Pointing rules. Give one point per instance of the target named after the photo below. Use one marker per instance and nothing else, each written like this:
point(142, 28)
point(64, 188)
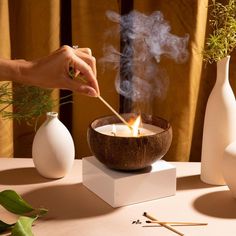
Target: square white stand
point(125, 188)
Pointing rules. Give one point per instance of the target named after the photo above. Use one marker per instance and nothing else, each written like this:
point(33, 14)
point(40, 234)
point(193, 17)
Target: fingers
point(81, 88)
point(87, 53)
point(84, 63)
point(86, 70)
point(86, 50)
point(90, 60)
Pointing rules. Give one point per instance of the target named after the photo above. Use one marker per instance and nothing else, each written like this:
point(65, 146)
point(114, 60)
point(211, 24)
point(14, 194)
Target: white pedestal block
point(125, 188)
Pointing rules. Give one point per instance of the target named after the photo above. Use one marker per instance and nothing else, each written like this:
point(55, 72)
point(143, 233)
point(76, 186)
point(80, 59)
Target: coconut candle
point(121, 148)
point(122, 130)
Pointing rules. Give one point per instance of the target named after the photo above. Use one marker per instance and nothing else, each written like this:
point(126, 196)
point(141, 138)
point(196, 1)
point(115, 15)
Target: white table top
point(74, 210)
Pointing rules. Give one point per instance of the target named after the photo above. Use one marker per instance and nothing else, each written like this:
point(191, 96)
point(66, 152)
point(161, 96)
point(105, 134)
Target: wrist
point(24, 71)
point(15, 70)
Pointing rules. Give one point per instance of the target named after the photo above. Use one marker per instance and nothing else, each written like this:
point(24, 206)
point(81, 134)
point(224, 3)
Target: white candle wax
point(122, 130)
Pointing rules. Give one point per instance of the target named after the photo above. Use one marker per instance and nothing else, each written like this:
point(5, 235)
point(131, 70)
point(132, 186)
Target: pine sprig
point(28, 102)
point(222, 41)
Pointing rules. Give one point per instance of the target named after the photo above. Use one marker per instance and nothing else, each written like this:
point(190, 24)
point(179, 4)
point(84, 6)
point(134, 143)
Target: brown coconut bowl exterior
point(129, 153)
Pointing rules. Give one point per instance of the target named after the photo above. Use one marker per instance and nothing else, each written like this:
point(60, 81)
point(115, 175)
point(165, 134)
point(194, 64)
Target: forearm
point(13, 70)
point(52, 71)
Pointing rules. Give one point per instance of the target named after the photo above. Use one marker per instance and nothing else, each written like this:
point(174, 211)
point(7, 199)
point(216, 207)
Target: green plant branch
point(222, 41)
point(29, 102)
point(64, 103)
point(4, 108)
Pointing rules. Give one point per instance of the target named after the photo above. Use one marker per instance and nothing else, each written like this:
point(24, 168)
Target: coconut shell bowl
point(129, 153)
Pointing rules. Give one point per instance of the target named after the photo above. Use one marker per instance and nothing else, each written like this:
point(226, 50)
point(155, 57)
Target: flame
point(135, 124)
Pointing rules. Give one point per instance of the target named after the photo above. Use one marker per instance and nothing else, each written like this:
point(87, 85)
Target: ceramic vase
point(219, 126)
point(53, 148)
point(229, 167)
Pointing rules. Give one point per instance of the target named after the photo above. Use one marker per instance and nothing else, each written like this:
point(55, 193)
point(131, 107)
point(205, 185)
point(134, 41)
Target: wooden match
point(176, 223)
point(114, 111)
point(72, 75)
point(162, 224)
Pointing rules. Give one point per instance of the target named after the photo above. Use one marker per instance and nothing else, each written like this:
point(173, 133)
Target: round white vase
point(219, 126)
point(53, 149)
point(229, 167)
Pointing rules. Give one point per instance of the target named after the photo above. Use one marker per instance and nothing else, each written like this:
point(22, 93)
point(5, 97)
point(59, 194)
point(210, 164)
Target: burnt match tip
point(148, 221)
point(145, 213)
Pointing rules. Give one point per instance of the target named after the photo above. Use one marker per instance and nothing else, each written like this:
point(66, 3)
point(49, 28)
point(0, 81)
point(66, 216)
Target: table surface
point(74, 210)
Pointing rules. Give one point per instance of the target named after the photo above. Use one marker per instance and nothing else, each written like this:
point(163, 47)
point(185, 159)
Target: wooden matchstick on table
point(162, 224)
point(177, 223)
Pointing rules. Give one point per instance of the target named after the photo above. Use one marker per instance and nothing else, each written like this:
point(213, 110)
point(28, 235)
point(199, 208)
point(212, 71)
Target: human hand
point(53, 71)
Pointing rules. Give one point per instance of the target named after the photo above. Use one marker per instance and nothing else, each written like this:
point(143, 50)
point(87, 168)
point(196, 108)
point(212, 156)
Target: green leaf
point(23, 226)
point(4, 226)
point(14, 203)
point(11, 201)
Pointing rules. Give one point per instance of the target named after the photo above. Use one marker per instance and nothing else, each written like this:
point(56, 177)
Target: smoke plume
point(145, 39)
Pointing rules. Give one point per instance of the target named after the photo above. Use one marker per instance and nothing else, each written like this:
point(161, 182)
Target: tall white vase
point(229, 167)
point(219, 126)
point(53, 148)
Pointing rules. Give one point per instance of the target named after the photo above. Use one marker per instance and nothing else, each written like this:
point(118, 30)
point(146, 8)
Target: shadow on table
point(191, 182)
point(219, 204)
point(20, 176)
point(68, 202)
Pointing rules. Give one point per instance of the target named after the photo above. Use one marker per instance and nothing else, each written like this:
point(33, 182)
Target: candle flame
point(135, 132)
point(135, 124)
